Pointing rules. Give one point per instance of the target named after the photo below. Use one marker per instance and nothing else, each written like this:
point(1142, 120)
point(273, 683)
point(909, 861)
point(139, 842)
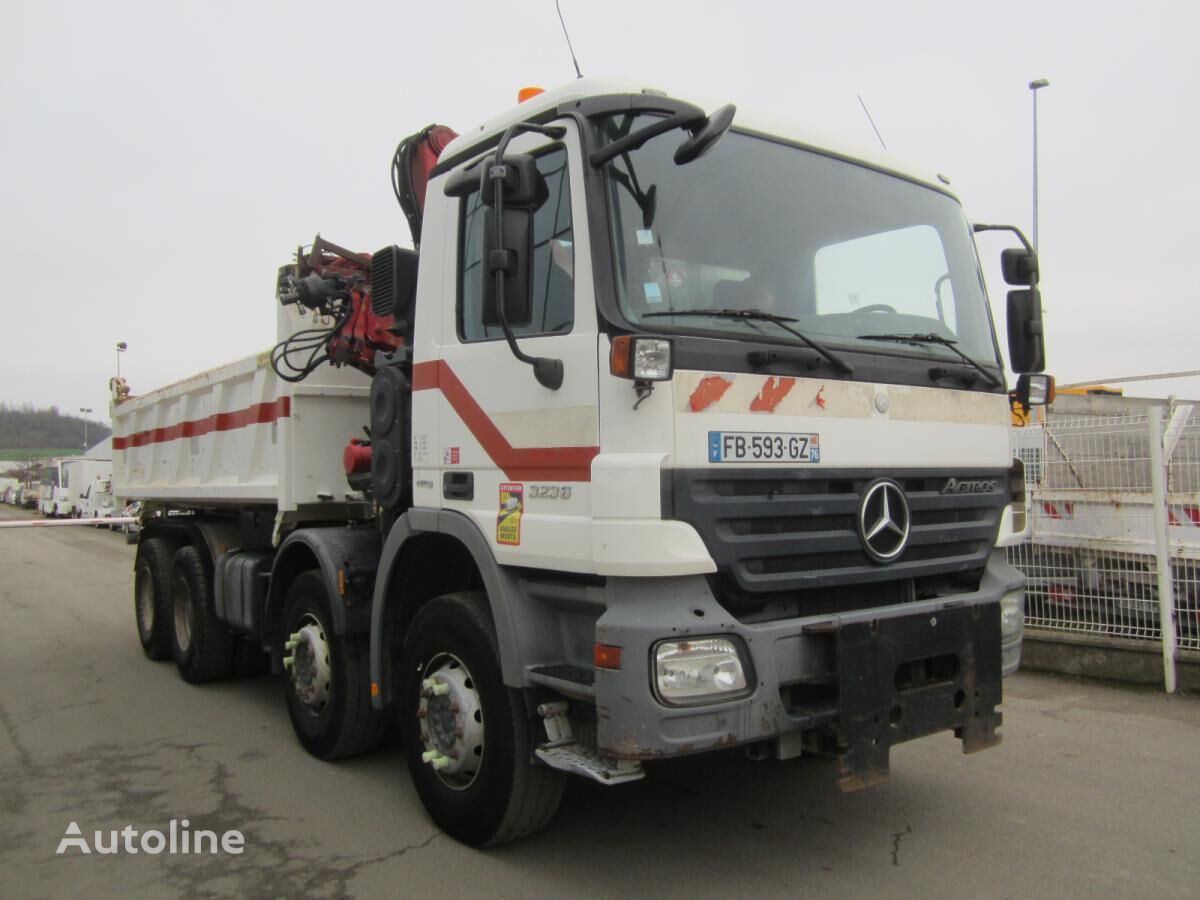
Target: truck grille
point(778, 531)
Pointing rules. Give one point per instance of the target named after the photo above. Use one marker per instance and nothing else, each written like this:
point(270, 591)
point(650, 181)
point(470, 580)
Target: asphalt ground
point(1095, 791)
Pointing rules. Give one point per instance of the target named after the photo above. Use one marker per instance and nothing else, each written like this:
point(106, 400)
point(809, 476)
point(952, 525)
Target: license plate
point(763, 447)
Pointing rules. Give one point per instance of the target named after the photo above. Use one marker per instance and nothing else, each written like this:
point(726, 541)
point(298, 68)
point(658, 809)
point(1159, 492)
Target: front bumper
point(851, 684)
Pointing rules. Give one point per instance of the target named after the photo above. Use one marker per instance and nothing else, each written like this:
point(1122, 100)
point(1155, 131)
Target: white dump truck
point(671, 435)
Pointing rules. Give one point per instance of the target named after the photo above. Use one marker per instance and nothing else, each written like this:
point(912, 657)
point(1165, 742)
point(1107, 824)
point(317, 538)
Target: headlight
point(699, 671)
point(641, 358)
point(1012, 615)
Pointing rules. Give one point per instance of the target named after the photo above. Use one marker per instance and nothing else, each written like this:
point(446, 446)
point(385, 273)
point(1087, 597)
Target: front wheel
point(465, 733)
point(327, 680)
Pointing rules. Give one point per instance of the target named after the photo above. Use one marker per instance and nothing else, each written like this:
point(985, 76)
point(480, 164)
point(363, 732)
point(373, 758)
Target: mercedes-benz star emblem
point(883, 520)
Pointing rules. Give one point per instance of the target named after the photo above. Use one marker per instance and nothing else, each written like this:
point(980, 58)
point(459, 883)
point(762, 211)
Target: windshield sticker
point(675, 278)
point(645, 237)
point(653, 292)
point(508, 520)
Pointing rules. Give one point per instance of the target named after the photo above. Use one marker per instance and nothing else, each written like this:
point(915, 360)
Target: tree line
point(25, 427)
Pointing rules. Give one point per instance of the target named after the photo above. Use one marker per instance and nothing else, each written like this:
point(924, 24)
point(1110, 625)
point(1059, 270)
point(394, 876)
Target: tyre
point(152, 597)
point(327, 681)
point(465, 733)
point(200, 642)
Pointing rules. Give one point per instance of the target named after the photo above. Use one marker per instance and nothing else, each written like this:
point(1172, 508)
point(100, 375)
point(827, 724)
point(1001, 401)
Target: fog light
point(698, 671)
point(1012, 616)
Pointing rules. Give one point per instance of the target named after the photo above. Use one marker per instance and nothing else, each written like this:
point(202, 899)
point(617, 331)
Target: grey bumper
point(792, 661)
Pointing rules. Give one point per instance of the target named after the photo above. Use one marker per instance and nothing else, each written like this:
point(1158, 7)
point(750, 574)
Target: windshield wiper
point(757, 315)
point(934, 339)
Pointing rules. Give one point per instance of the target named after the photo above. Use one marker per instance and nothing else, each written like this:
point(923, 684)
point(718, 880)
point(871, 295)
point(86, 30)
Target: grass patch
point(38, 453)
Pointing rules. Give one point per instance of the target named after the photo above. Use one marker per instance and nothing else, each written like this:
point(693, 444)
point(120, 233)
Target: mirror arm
point(978, 227)
point(623, 145)
point(548, 372)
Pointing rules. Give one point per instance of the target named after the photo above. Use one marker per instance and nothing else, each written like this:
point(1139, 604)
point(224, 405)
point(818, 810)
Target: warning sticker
point(508, 520)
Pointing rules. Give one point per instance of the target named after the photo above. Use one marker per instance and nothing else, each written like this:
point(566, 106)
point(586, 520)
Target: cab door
point(512, 454)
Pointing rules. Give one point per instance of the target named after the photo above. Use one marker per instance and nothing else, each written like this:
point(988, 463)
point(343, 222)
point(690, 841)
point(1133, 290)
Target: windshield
point(842, 250)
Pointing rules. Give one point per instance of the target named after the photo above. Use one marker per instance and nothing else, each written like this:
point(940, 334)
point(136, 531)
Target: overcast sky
point(159, 160)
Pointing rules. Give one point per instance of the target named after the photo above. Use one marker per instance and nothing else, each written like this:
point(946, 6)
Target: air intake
point(394, 284)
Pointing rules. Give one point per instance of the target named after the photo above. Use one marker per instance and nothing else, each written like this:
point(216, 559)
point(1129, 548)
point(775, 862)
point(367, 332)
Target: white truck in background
point(51, 491)
point(672, 435)
point(97, 501)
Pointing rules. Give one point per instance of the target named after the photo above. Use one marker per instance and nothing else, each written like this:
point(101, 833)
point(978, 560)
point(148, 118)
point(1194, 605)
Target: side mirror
point(1034, 390)
point(514, 258)
point(524, 191)
point(1026, 341)
point(1019, 266)
point(707, 133)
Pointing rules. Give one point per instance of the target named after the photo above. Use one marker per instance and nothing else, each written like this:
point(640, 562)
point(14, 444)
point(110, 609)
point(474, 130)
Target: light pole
point(86, 410)
point(122, 347)
point(1034, 87)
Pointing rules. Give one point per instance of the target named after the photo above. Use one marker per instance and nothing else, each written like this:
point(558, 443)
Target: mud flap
point(908, 677)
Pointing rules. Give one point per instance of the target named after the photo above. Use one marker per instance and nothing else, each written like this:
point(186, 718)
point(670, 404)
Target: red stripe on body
point(710, 389)
point(772, 394)
point(255, 414)
point(517, 463)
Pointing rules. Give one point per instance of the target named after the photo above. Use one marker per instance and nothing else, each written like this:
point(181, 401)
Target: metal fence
point(1113, 487)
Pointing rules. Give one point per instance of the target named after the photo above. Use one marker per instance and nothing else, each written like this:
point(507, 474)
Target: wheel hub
point(311, 673)
point(451, 716)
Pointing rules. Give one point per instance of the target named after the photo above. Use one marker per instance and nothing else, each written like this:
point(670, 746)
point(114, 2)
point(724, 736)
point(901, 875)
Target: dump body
point(238, 435)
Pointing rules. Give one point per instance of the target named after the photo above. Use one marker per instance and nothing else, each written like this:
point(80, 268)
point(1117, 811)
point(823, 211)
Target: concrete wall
point(1111, 659)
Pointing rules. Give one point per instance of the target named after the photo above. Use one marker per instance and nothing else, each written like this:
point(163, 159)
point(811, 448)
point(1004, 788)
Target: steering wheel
point(876, 308)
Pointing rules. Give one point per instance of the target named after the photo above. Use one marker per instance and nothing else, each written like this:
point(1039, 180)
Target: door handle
point(458, 485)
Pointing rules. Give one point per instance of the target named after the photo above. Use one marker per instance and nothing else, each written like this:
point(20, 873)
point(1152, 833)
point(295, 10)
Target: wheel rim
point(311, 670)
point(183, 615)
point(145, 607)
point(450, 713)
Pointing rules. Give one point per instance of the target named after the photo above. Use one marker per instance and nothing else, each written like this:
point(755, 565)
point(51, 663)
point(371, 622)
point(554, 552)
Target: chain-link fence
point(1113, 487)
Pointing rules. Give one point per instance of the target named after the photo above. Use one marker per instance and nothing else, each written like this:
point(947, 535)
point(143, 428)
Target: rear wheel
point(200, 642)
point(152, 597)
point(327, 677)
point(466, 734)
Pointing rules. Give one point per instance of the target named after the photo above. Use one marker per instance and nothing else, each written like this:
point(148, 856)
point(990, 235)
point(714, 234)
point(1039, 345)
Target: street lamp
point(1034, 87)
point(86, 410)
point(122, 347)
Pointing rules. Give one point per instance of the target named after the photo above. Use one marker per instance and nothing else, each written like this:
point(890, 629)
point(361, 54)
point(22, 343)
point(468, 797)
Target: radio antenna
point(872, 121)
point(578, 74)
